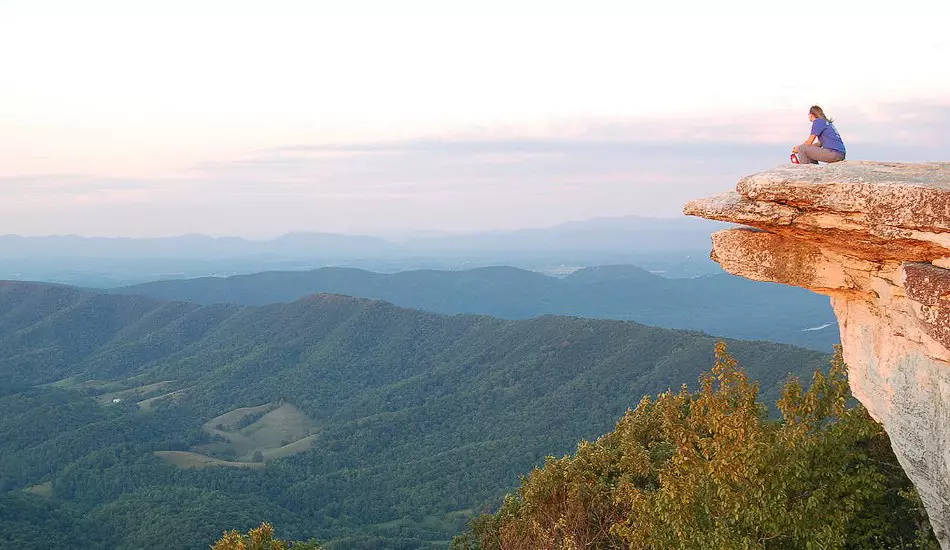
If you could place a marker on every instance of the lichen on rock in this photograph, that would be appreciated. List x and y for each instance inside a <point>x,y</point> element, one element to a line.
<point>875,237</point>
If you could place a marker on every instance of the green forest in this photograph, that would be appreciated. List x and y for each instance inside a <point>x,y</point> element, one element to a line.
<point>709,469</point>
<point>128,422</point>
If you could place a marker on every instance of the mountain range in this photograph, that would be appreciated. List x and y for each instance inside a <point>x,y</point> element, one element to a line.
<point>678,247</point>
<point>624,234</point>
<point>131,422</point>
<point>722,305</point>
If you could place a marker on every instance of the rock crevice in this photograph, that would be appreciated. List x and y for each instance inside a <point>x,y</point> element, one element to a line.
<point>875,237</point>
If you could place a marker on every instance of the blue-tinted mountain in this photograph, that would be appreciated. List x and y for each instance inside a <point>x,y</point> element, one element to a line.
<point>679,247</point>
<point>721,305</point>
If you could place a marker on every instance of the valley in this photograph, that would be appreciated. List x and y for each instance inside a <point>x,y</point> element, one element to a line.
<point>346,419</point>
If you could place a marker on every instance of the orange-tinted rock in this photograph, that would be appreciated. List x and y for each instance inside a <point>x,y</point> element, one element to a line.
<point>875,237</point>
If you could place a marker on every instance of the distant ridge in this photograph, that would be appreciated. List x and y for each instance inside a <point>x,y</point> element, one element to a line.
<point>717,304</point>
<point>677,248</point>
<point>628,234</point>
<point>192,246</point>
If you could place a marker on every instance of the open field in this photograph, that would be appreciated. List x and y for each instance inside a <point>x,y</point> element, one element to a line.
<point>189,460</point>
<point>64,383</point>
<point>271,429</point>
<point>277,428</point>
<point>298,446</point>
<point>43,489</point>
<point>231,419</point>
<point>133,393</point>
<point>147,404</point>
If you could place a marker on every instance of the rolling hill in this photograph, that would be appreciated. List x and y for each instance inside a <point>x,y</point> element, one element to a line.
<point>722,305</point>
<point>130,422</point>
<point>677,246</point>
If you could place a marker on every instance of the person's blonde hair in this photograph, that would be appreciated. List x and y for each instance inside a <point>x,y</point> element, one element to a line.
<point>819,113</point>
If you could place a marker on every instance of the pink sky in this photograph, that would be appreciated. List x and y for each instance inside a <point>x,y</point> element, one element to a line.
<point>257,119</point>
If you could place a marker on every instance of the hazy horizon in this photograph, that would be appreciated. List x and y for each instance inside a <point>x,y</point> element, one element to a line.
<point>240,118</point>
<point>394,236</point>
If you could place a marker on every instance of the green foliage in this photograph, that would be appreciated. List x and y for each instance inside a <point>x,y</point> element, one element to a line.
<point>709,469</point>
<point>260,538</point>
<point>31,522</point>
<point>419,419</point>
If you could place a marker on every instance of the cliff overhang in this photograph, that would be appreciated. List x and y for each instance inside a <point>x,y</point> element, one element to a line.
<point>875,237</point>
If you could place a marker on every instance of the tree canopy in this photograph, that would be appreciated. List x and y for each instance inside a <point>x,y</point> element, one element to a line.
<point>260,538</point>
<point>710,469</point>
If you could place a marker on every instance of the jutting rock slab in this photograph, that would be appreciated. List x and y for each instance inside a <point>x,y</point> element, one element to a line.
<point>875,237</point>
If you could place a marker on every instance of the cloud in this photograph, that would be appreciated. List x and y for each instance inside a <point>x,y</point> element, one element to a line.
<point>428,165</point>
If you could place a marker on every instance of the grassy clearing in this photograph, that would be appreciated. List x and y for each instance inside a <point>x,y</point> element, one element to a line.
<point>189,460</point>
<point>110,385</point>
<point>231,419</point>
<point>147,404</point>
<point>279,427</point>
<point>104,385</point>
<point>134,393</point>
<point>298,446</point>
<point>65,383</point>
<point>230,443</point>
<point>43,489</point>
<point>273,430</point>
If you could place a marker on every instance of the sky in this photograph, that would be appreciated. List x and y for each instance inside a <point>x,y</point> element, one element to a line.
<point>133,118</point>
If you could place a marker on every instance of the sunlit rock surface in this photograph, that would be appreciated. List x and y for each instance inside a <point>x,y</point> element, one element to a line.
<point>875,237</point>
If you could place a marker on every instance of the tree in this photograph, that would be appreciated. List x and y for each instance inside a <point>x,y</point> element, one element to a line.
<point>260,538</point>
<point>710,470</point>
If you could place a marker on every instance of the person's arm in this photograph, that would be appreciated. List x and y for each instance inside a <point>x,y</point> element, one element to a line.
<point>811,139</point>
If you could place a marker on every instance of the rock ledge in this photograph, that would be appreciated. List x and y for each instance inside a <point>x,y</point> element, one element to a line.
<point>875,237</point>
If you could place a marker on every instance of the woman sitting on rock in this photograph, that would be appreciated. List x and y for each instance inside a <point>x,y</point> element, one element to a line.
<point>830,148</point>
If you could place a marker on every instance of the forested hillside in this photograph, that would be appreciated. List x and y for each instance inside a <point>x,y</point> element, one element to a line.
<point>708,469</point>
<point>128,422</point>
<point>723,305</point>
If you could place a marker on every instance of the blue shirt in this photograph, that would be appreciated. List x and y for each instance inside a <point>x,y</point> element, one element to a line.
<point>827,135</point>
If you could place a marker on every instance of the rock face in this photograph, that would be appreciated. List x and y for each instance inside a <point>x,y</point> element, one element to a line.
<point>875,237</point>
